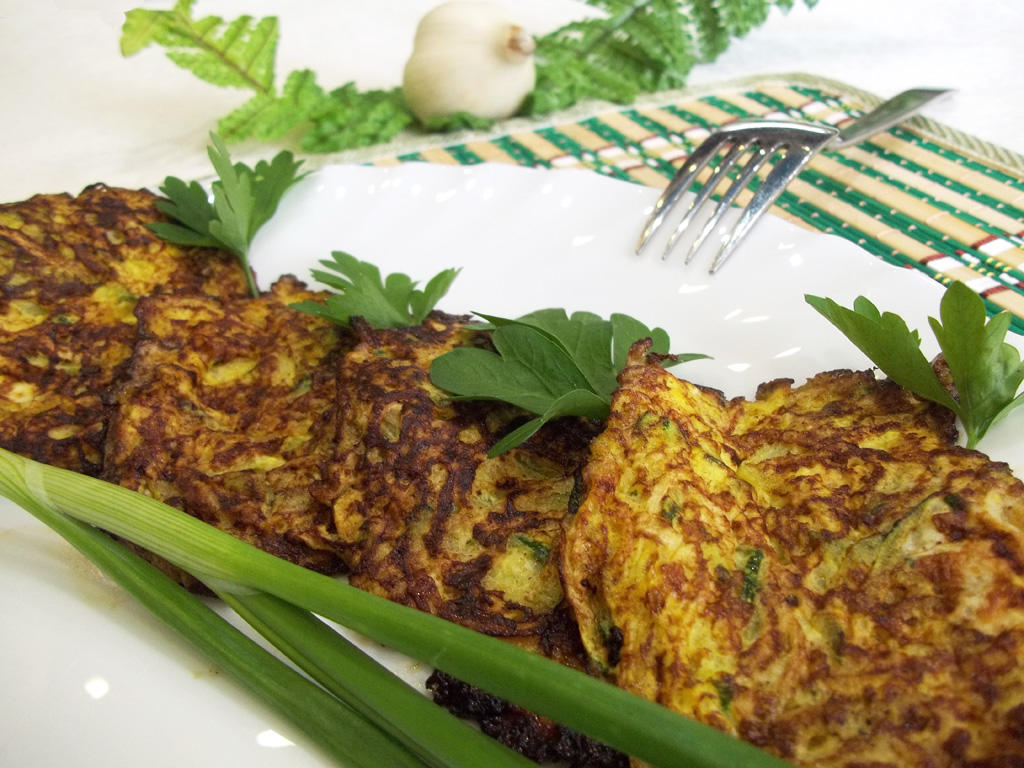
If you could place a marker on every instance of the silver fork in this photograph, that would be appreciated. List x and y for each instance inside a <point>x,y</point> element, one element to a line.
<point>794,143</point>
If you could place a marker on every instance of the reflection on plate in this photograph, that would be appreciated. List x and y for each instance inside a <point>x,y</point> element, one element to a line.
<point>89,678</point>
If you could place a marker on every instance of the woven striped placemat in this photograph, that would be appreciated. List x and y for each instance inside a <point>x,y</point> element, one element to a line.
<point>920,195</point>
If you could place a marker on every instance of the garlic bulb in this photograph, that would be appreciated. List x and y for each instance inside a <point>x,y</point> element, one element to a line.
<point>468,57</point>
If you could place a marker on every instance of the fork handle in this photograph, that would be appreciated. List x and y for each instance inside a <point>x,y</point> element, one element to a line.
<point>886,115</point>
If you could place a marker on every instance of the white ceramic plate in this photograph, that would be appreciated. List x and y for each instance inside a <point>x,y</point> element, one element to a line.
<point>89,679</point>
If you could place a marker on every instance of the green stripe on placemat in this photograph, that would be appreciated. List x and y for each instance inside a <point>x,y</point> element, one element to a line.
<point>920,195</point>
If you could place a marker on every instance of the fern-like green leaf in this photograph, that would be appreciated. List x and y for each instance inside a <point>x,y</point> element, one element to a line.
<point>353,118</point>
<point>643,46</point>
<point>142,27</point>
<point>267,117</point>
<point>460,121</point>
<point>239,53</point>
<point>740,16</point>
<point>710,37</point>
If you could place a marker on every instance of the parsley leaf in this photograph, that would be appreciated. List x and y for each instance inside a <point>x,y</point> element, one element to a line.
<point>244,199</point>
<point>548,363</point>
<point>393,302</point>
<point>888,343</point>
<point>986,371</point>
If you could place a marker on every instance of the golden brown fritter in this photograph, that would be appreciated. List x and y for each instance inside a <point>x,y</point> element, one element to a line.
<point>228,413</point>
<point>820,571</point>
<point>71,271</point>
<point>428,519</point>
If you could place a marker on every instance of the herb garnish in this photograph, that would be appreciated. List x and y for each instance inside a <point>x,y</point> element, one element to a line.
<point>641,46</point>
<point>986,371</point>
<point>244,199</point>
<point>393,302</point>
<point>548,363</point>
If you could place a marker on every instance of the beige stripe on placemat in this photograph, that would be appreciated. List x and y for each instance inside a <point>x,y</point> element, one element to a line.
<point>438,155</point>
<point>609,153</point>
<point>1002,296</point>
<point>1009,300</point>
<point>628,128</point>
<point>490,152</point>
<point>713,115</point>
<point>856,217</point>
<point>902,243</point>
<point>953,170</point>
<point>933,189</point>
<point>786,95</point>
<point>671,121</point>
<point>897,200</point>
<point>544,149</point>
<point>586,138</point>
<point>1007,254</point>
<point>748,104</point>
<point>648,176</point>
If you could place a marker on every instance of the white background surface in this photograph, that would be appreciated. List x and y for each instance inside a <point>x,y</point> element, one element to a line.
<point>75,112</point>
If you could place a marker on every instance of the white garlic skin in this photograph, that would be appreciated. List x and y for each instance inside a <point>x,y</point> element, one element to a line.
<point>468,57</point>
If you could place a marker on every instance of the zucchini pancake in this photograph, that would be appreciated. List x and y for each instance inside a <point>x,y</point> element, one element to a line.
<point>228,412</point>
<point>425,517</point>
<point>820,571</point>
<point>71,270</point>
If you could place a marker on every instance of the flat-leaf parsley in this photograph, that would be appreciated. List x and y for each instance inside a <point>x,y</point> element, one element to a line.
<point>244,199</point>
<point>986,371</point>
<point>392,302</point>
<point>548,363</point>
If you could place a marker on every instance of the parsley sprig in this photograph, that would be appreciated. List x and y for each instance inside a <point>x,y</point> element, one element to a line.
<point>986,371</point>
<point>244,199</point>
<point>392,302</point>
<point>548,363</point>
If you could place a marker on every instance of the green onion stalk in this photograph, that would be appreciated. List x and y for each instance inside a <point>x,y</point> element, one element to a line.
<point>396,708</point>
<point>234,569</point>
<point>334,727</point>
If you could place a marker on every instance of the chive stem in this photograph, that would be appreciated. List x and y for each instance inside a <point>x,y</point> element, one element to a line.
<point>644,729</point>
<point>333,726</point>
<point>439,738</point>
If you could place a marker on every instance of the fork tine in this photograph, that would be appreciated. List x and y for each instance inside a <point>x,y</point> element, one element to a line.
<point>759,158</point>
<point>791,163</point>
<point>704,193</point>
<point>681,182</point>
<point>797,143</point>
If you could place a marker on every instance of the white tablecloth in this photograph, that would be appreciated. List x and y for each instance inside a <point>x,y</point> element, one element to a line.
<point>75,112</point>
